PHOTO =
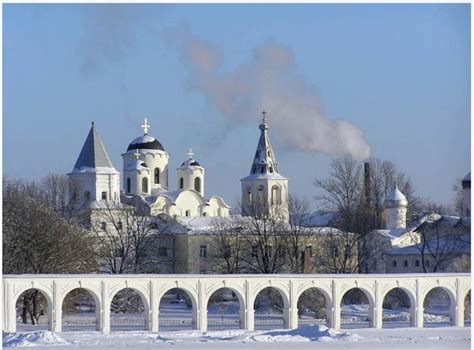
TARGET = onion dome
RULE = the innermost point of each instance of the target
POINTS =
(396, 199)
(190, 162)
(145, 141)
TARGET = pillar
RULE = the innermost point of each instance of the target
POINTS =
(9, 311)
(419, 305)
(104, 319)
(57, 308)
(292, 313)
(242, 314)
(458, 309)
(249, 311)
(376, 312)
(335, 319)
(202, 308)
(154, 307)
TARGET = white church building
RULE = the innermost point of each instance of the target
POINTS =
(145, 179)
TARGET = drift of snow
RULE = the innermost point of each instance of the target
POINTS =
(30, 339)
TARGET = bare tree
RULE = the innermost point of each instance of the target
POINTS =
(35, 237)
(125, 234)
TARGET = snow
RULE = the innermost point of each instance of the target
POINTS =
(143, 139)
(306, 337)
(266, 176)
(96, 170)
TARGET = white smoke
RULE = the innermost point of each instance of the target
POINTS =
(269, 81)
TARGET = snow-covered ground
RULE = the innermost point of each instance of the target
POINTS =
(306, 337)
(224, 333)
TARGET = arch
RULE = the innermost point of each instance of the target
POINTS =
(197, 184)
(127, 313)
(129, 185)
(30, 314)
(84, 316)
(275, 195)
(156, 174)
(274, 300)
(224, 310)
(314, 306)
(438, 306)
(467, 308)
(145, 185)
(398, 308)
(357, 305)
(177, 300)
(181, 183)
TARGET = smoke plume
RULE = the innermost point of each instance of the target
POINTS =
(268, 81)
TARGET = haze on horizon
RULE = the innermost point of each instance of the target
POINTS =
(388, 81)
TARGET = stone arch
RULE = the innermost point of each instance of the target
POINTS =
(327, 302)
(355, 313)
(226, 310)
(403, 298)
(49, 305)
(130, 323)
(435, 309)
(187, 321)
(265, 321)
(467, 308)
(85, 322)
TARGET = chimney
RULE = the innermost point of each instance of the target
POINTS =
(367, 182)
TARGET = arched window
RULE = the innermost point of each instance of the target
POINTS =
(129, 185)
(104, 195)
(275, 195)
(394, 263)
(417, 263)
(87, 195)
(249, 196)
(405, 263)
(197, 184)
(260, 194)
(181, 183)
(144, 185)
(157, 175)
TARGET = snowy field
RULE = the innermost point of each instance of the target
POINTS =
(224, 333)
(305, 337)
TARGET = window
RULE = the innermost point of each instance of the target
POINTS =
(271, 169)
(119, 225)
(203, 251)
(254, 251)
(197, 184)
(181, 183)
(144, 185)
(427, 263)
(275, 199)
(281, 252)
(104, 195)
(103, 225)
(157, 175)
(87, 195)
(249, 197)
(405, 263)
(162, 251)
(129, 185)
(394, 263)
(260, 193)
(417, 263)
(188, 212)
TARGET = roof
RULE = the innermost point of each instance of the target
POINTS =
(460, 245)
(264, 164)
(396, 199)
(93, 154)
(145, 142)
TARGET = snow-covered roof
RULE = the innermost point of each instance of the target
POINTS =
(266, 176)
(93, 155)
(145, 142)
(137, 165)
(458, 245)
(97, 170)
(110, 205)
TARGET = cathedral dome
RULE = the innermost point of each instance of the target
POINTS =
(190, 162)
(396, 199)
(145, 142)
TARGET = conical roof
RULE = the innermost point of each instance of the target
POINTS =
(264, 164)
(93, 154)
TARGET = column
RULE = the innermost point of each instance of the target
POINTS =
(419, 305)
(9, 312)
(249, 311)
(202, 308)
(57, 308)
(292, 316)
(336, 308)
(104, 319)
(458, 311)
(154, 307)
(242, 314)
(376, 315)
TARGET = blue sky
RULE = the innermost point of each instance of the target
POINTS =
(397, 75)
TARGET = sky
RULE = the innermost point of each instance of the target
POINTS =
(390, 81)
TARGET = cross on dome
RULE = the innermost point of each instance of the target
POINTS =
(190, 153)
(145, 126)
(264, 114)
(137, 154)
